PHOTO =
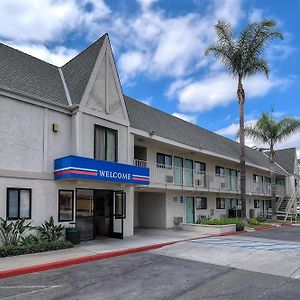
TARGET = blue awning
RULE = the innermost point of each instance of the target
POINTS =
(76, 167)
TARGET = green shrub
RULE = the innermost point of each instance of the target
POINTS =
(51, 232)
(30, 239)
(12, 250)
(253, 221)
(11, 232)
(224, 221)
(261, 219)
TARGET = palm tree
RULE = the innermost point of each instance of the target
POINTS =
(269, 131)
(242, 56)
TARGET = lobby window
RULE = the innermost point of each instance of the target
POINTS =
(106, 145)
(65, 205)
(18, 205)
(164, 160)
(220, 203)
(201, 203)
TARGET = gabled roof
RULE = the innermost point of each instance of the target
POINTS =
(286, 158)
(25, 74)
(147, 118)
(30, 76)
(78, 70)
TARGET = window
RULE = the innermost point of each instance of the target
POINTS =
(280, 181)
(256, 203)
(164, 160)
(201, 203)
(65, 205)
(220, 203)
(200, 167)
(267, 179)
(18, 204)
(105, 147)
(220, 171)
(257, 178)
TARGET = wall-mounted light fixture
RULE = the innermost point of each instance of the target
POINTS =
(55, 127)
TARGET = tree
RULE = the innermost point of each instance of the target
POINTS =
(242, 57)
(269, 131)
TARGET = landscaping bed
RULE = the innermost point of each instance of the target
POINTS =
(209, 229)
(19, 237)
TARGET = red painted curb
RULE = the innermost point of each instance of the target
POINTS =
(85, 259)
(265, 227)
(78, 260)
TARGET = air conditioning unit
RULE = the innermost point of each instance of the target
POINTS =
(169, 179)
(178, 220)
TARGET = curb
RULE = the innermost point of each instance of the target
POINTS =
(265, 227)
(80, 260)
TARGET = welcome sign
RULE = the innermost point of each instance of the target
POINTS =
(76, 167)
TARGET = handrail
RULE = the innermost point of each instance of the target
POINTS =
(281, 197)
(188, 177)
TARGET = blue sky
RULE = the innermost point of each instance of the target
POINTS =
(158, 47)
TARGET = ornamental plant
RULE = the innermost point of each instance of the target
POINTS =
(50, 232)
(12, 232)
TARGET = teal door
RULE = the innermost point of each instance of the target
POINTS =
(189, 209)
(188, 172)
(178, 170)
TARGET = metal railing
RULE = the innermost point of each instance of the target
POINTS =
(173, 176)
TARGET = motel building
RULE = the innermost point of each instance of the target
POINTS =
(74, 147)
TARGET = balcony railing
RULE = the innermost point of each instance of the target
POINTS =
(178, 177)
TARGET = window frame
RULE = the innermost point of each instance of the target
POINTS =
(201, 199)
(256, 203)
(7, 203)
(105, 142)
(73, 206)
(220, 168)
(200, 163)
(220, 202)
(164, 166)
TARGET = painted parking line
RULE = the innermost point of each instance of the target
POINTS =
(250, 244)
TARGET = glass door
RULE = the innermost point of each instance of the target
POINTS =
(188, 168)
(178, 170)
(85, 213)
(119, 214)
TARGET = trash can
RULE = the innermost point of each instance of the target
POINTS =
(73, 235)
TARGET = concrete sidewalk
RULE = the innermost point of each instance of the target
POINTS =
(142, 238)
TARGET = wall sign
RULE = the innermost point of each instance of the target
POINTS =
(73, 167)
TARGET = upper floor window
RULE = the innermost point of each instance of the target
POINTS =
(18, 205)
(220, 171)
(281, 181)
(106, 144)
(200, 167)
(257, 178)
(164, 160)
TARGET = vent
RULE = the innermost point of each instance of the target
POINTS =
(169, 179)
(178, 220)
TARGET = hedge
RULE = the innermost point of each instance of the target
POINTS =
(224, 221)
(35, 248)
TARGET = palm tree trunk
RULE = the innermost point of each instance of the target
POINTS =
(273, 184)
(241, 100)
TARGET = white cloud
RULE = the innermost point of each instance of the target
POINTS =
(255, 15)
(188, 118)
(220, 89)
(57, 56)
(232, 129)
(47, 20)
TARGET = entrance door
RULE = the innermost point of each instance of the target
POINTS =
(85, 213)
(189, 209)
(178, 170)
(119, 214)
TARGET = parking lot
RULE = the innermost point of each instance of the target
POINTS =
(234, 267)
